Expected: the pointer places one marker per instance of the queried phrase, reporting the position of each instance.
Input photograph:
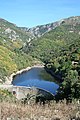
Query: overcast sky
(30, 13)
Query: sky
(30, 13)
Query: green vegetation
(59, 49)
(9, 31)
(11, 61)
(5, 95)
(12, 38)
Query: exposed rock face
(15, 32)
(38, 31)
(12, 32)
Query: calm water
(36, 77)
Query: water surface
(36, 77)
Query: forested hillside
(12, 38)
(59, 49)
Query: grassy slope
(53, 111)
(13, 109)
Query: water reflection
(36, 77)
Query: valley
(54, 45)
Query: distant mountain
(13, 32)
(10, 33)
(64, 32)
(40, 30)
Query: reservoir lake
(36, 77)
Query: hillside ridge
(19, 47)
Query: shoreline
(10, 78)
(54, 75)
